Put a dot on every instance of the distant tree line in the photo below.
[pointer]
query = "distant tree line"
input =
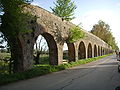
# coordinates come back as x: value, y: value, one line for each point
x: 103, y: 31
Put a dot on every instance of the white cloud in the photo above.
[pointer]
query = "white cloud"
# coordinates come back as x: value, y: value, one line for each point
x: 35, y: 3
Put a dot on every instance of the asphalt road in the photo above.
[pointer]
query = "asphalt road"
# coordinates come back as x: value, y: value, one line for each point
x: 97, y: 75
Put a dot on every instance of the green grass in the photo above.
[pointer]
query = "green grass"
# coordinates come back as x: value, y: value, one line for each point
x: 4, y: 63
x: 39, y: 70
x: 44, y: 60
x: 4, y: 55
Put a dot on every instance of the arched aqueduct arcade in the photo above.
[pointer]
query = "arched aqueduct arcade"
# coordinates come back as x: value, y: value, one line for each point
x: 55, y: 31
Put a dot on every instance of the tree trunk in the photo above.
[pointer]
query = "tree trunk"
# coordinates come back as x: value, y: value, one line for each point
x: 37, y: 57
x: 21, y: 53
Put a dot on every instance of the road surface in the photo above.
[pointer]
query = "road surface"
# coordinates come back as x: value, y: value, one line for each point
x: 97, y: 75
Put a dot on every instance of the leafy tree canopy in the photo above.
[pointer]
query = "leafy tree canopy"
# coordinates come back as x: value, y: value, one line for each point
x: 103, y: 31
x: 14, y: 20
x: 64, y: 9
x: 75, y: 34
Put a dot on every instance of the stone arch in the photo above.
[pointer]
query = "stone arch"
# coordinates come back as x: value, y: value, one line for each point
x: 81, y: 51
x: 95, y: 51
x: 107, y: 51
x: 71, y: 52
x: 89, y: 51
x: 101, y: 51
x: 104, y: 51
x: 53, y: 51
x: 98, y: 50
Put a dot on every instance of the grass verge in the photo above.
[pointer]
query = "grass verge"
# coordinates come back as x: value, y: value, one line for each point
x: 39, y: 70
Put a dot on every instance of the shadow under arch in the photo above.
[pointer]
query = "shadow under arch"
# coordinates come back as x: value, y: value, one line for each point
x: 98, y: 50
x: 89, y: 51
x: 53, y: 51
x: 81, y: 51
x: 101, y: 51
x: 71, y: 52
x: 95, y: 51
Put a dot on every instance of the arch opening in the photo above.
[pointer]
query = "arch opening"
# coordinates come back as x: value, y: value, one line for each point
x: 98, y: 50
x: 95, y: 51
x: 89, y: 51
x: 65, y: 53
x: 69, y: 52
x: 101, y: 51
x: 82, y: 51
x: 49, y: 53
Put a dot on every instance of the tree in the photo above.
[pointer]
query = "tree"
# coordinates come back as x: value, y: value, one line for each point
x: 14, y: 26
x: 75, y: 34
x: 103, y: 31
x: 3, y: 42
x: 40, y: 48
x: 64, y: 9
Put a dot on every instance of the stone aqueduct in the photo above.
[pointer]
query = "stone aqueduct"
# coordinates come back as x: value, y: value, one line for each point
x: 55, y: 31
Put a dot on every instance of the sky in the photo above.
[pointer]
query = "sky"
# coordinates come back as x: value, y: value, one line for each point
x: 89, y: 12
